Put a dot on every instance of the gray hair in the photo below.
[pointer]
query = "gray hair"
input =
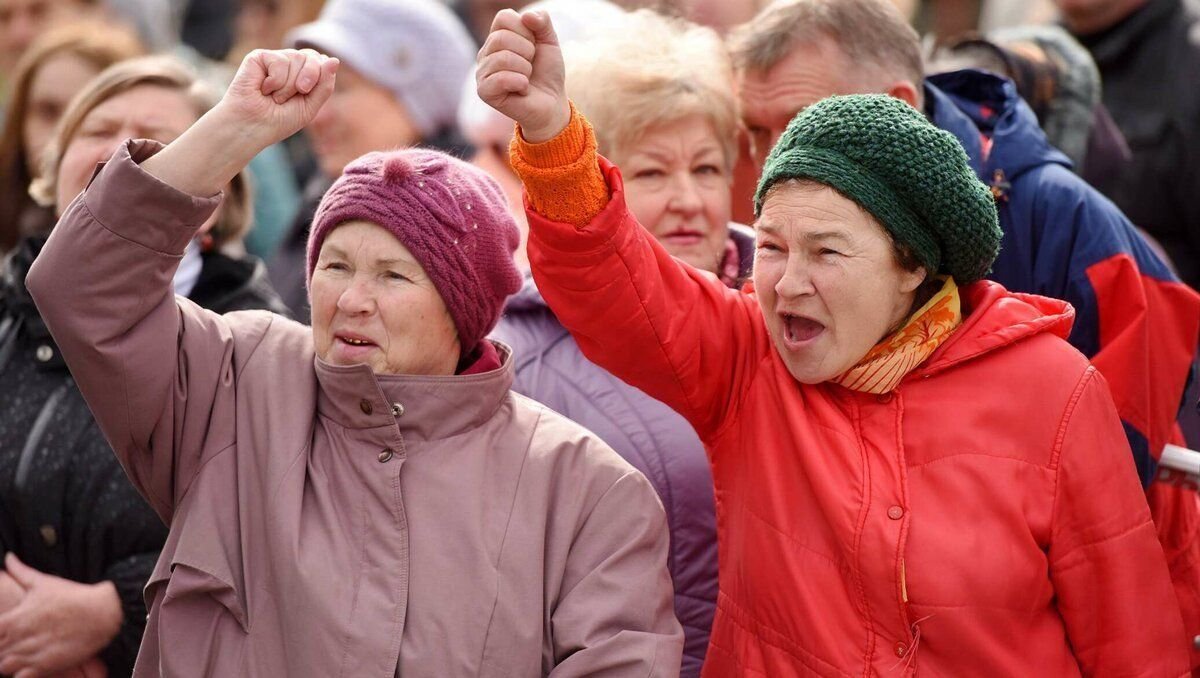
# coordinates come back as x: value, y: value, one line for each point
x: 867, y: 32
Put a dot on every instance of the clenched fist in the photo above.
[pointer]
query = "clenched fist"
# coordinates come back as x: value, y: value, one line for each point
x: 521, y: 74
x: 277, y: 92
x: 274, y: 95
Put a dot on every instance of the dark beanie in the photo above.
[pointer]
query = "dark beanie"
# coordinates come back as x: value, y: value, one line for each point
x: 914, y: 178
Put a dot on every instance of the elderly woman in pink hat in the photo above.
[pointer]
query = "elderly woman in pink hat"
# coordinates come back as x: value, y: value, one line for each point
x: 365, y: 498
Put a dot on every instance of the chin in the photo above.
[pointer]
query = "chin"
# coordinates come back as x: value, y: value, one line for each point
x: 808, y: 372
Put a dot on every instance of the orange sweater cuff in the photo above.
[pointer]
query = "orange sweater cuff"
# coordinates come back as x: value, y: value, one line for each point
x: 562, y: 176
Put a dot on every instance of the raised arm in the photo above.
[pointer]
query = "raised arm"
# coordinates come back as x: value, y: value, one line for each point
x: 674, y: 332
x: 155, y: 371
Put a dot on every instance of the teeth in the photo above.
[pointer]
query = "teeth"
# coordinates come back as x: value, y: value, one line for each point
x: 356, y: 342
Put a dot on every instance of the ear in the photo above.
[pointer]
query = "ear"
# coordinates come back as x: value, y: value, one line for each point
x: 905, y: 91
x: 911, y: 280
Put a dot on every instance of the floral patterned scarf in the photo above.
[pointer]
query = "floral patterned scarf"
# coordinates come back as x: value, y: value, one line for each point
x: 885, y: 365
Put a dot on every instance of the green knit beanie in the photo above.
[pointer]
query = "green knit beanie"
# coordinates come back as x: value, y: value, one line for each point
x: 913, y: 177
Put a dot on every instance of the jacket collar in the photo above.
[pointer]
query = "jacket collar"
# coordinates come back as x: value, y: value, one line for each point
x: 996, y: 318
x: 25, y: 334
x: 429, y: 407
x: 973, y: 104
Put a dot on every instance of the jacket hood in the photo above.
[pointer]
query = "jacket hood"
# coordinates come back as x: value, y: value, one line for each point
x: 996, y: 318
x: 972, y: 104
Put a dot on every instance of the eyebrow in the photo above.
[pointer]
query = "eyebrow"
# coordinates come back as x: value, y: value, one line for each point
x: 335, y: 251
x: 772, y: 229
x: 826, y: 235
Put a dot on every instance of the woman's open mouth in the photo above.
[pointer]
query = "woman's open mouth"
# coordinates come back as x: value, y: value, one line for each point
x: 352, y: 346
x: 799, y: 331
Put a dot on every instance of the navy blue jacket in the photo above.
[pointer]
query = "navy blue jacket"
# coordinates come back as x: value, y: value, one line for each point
x: 1134, y: 320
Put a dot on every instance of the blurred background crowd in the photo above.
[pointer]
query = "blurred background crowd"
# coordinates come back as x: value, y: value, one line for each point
x: 1114, y: 86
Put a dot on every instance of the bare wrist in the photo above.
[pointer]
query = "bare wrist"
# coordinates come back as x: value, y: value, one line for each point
x: 106, y: 603
x: 550, y: 130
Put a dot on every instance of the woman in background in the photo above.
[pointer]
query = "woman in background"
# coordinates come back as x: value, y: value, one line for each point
x: 659, y: 95
x: 51, y: 72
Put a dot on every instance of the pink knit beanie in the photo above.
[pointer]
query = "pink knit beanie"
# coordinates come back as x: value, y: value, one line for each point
x: 452, y: 217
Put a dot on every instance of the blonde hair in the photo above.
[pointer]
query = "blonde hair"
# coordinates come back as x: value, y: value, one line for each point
x: 871, y: 34
x: 650, y: 70
x: 158, y: 71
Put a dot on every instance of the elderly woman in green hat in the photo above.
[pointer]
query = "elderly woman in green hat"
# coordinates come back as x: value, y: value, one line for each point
x: 913, y: 468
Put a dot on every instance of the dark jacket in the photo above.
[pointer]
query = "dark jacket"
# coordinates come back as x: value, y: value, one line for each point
x: 66, y: 507
x: 1133, y: 318
x: 1149, y: 63
x: 550, y: 368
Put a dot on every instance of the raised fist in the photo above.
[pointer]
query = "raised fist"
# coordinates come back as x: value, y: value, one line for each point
x: 521, y: 74
x: 277, y: 92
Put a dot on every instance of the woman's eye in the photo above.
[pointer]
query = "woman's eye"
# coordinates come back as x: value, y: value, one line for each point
x: 336, y: 266
x: 708, y: 169
x: 769, y: 246
x: 648, y: 174
x: 392, y: 275
x: 825, y: 251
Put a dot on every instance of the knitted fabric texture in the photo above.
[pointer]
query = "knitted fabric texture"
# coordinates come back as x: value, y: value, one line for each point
x: 885, y: 366
x: 911, y: 176
x: 562, y: 176
x: 450, y: 215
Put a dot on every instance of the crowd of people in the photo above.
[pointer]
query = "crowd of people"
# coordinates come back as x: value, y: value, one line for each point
x: 675, y: 338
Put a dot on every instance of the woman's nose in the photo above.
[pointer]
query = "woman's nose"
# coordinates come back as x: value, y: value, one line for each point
x: 357, y: 298
x: 796, y: 280
x: 685, y: 196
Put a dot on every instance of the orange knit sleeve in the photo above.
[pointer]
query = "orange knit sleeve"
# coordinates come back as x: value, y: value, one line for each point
x: 562, y: 176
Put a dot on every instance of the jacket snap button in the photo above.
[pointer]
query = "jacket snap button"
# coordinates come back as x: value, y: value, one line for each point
x: 385, y: 456
x: 397, y: 409
x: 895, y: 513
x: 1196, y: 642
x: 49, y: 535
x: 901, y: 649
x: 884, y: 398
x: 44, y: 353
x: 365, y: 406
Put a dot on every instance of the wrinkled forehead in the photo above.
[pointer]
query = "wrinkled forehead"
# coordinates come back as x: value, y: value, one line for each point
x: 804, y: 209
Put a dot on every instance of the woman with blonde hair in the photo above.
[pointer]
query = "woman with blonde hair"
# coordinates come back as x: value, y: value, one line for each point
x: 658, y: 92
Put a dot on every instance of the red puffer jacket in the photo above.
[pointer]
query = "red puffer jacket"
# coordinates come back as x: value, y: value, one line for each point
x: 984, y: 519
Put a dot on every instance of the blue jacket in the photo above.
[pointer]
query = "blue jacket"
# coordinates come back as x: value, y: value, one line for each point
x: 1136, y: 322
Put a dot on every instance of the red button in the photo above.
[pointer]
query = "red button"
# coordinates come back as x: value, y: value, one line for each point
x: 901, y: 649
x: 884, y: 398
x: 895, y: 513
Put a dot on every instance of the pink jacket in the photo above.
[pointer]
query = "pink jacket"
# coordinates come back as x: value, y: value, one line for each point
x: 326, y: 521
